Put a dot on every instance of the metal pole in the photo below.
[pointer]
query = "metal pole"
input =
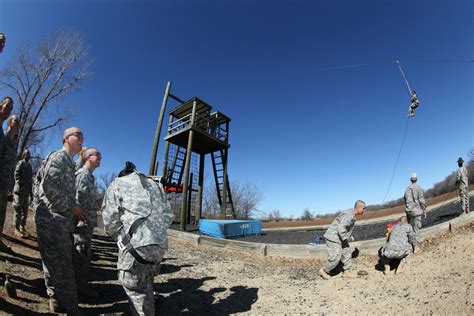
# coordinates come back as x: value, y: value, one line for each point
x: 186, y: 171
x: 152, y: 170
x: 202, y: 158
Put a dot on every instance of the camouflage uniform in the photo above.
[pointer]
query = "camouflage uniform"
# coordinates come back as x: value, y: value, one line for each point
x: 462, y: 182
x: 79, y: 163
x: 36, y: 185
x: 54, y: 225
x: 7, y: 163
x: 401, y: 242
x: 415, y: 205
x: 86, y: 197
x: 337, y: 238
x: 22, y: 191
x: 127, y: 199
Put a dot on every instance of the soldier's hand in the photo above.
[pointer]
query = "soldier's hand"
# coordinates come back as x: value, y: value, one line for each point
x: 352, y: 238
x: 80, y: 213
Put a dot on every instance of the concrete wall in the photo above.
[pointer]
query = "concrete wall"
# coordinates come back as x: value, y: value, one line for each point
x: 308, y: 251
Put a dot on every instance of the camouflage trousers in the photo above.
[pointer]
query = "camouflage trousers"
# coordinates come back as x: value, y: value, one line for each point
x: 20, y: 207
x: 138, y: 284
x: 415, y: 222
x: 3, y: 208
x: 464, y: 197
x: 55, y: 245
x: 396, y: 253
x: 338, y: 253
x: 82, y: 252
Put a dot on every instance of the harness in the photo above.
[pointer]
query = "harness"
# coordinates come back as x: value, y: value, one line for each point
x: 124, y: 243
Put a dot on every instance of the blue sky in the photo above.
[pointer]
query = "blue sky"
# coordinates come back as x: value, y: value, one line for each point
x: 305, y: 134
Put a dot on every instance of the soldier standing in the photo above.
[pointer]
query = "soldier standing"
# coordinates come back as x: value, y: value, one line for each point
x: 136, y: 214
x: 462, y: 183
x: 86, y: 196
x: 338, y: 236
x: 54, y: 219
x: 7, y: 160
x: 22, y: 192
x: 400, y: 245
x: 415, y: 204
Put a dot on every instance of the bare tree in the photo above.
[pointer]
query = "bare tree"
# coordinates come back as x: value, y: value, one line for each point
x: 307, y: 216
x: 106, y: 179
x: 274, y: 215
x: 39, y: 77
x: 245, y: 197
x: 210, y: 205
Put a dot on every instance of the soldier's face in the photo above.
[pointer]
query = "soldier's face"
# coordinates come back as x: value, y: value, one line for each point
x: 6, y: 109
x: 95, y: 159
x: 360, y: 209
x: 75, y: 141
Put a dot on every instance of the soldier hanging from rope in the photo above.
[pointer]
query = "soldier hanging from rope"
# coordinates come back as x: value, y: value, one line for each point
x: 414, y: 104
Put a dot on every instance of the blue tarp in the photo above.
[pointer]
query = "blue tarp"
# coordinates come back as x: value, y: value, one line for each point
x: 229, y: 228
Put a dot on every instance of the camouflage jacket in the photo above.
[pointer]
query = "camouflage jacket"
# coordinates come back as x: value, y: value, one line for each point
x: 57, y: 191
x: 86, y: 194
x: 36, y: 185
x: 7, y: 161
x: 341, y: 228
x: 401, y: 239
x: 23, y: 178
x: 415, y: 202
x: 462, y: 180
x: 130, y: 198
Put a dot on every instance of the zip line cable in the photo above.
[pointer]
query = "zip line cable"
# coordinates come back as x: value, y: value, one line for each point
x: 404, y: 134
x: 398, y: 158
x: 403, y: 74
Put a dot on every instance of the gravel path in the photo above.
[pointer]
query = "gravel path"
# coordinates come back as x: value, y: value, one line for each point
x: 370, y: 231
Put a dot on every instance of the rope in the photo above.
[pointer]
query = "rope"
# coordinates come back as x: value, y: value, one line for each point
x: 398, y: 158
x: 405, y: 78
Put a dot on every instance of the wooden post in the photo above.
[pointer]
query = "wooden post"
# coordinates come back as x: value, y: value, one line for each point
x: 224, y: 185
x: 167, y: 150
x: 152, y: 170
x: 186, y: 170
x: 190, y: 197
x: 198, y: 214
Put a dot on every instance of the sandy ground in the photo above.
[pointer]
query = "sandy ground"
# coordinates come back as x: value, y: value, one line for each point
x: 205, y: 280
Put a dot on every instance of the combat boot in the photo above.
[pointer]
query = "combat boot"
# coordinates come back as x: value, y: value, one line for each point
x: 54, y: 306
x: 323, y: 274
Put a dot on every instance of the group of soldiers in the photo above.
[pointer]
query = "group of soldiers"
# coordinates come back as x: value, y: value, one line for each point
x: 403, y: 237
x: 136, y: 213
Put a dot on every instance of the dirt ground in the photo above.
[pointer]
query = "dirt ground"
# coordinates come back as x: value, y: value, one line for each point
x: 205, y: 280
